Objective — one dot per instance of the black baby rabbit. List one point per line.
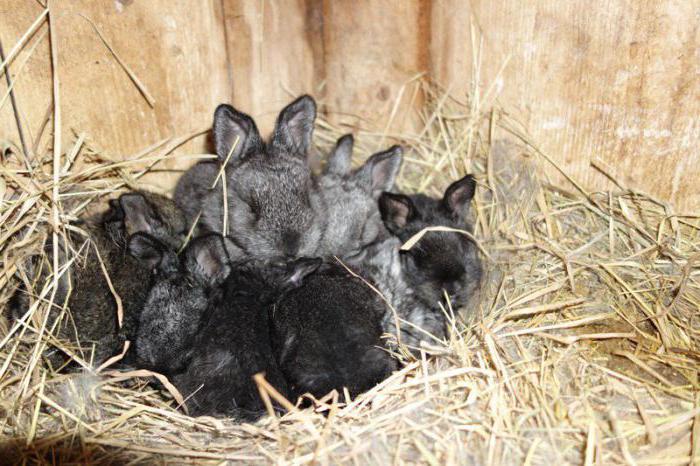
(415, 281)
(327, 335)
(349, 198)
(270, 210)
(206, 323)
(92, 318)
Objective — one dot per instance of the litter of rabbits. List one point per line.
(580, 347)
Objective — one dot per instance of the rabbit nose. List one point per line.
(290, 243)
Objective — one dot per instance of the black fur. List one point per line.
(234, 343)
(415, 281)
(326, 335)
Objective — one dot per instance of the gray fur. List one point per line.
(271, 211)
(349, 198)
(193, 186)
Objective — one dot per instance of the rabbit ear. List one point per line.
(139, 214)
(380, 170)
(300, 269)
(294, 127)
(458, 196)
(115, 213)
(235, 133)
(207, 260)
(340, 160)
(397, 211)
(152, 252)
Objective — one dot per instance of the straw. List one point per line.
(589, 302)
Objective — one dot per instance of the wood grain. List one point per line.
(372, 51)
(176, 49)
(614, 82)
(271, 55)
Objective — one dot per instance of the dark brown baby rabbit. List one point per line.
(91, 320)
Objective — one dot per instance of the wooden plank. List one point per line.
(176, 49)
(271, 48)
(615, 82)
(372, 50)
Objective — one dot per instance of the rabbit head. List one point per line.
(145, 212)
(350, 197)
(440, 262)
(182, 291)
(270, 210)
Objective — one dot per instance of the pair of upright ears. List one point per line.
(378, 173)
(398, 210)
(236, 134)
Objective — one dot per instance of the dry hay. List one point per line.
(581, 347)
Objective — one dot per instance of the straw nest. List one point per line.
(581, 347)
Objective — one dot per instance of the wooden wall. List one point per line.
(177, 50)
(614, 83)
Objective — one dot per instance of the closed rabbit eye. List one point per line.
(356, 254)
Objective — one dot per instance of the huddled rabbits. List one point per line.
(327, 332)
(91, 320)
(206, 322)
(294, 275)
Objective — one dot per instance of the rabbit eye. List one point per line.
(356, 254)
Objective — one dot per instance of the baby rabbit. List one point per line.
(326, 335)
(206, 323)
(183, 291)
(414, 281)
(270, 210)
(349, 198)
(92, 318)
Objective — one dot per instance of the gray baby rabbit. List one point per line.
(193, 186)
(206, 323)
(268, 186)
(415, 281)
(93, 318)
(182, 291)
(349, 198)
